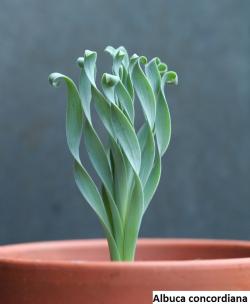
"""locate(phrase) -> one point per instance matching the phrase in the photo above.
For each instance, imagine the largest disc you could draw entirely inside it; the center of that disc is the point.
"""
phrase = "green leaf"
(133, 220)
(111, 50)
(132, 61)
(126, 136)
(120, 179)
(171, 77)
(162, 124)
(98, 156)
(147, 146)
(126, 57)
(85, 94)
(120, 56)
(125, 100)
(74, 116)
(144, 92)
(130, 175)
(101, 103)
(103, 109)
(153, 75)
(108, 85)
(162, 67)
(117, 62)
(113, 249)
(89, 191)
(123, 74)
(152, 181)
(89, 65)
(130, 88)
(107, 207)
(114, 218)
(74, 122)
(163, 121)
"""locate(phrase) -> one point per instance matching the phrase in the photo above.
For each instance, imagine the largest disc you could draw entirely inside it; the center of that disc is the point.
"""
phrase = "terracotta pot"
(78, 272)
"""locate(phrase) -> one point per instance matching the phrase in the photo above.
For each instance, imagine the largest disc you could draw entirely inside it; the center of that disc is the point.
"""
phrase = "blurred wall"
(204, 190)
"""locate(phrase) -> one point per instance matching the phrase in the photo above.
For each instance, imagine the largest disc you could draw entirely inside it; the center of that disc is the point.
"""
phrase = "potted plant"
(129, 168)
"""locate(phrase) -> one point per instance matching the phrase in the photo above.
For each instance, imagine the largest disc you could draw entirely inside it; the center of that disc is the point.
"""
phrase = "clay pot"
(78, 272)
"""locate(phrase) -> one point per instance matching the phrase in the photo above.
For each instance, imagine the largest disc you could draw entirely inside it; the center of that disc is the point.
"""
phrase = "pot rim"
(218, 262)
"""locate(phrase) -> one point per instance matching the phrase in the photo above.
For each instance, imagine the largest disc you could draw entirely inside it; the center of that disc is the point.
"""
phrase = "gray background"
(204, 190)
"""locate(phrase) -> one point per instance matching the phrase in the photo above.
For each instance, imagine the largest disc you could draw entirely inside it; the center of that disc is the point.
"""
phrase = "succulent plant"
(129, 166)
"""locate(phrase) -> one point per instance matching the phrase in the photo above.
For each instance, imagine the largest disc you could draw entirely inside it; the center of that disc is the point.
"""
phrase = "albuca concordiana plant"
(129, 168)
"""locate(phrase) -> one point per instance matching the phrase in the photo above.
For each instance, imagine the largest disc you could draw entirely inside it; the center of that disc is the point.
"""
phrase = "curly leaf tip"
(172, 77)
(110, 80)
(54, 79)
(80, 62)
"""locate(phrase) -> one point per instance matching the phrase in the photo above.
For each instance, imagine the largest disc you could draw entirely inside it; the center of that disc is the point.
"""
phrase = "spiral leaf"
(126, 137)
(144, 92)
(74, 124)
